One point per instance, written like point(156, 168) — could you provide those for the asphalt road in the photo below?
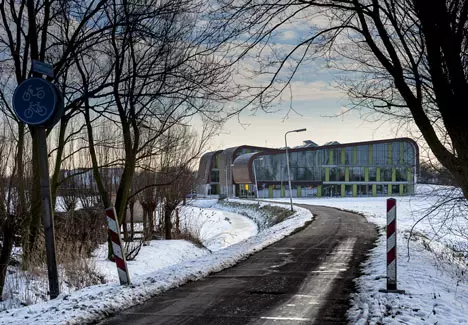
point(305, 278)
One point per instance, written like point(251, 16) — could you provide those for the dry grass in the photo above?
point(192, 235)
point(77, 234)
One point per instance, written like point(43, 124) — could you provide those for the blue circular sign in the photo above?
point(35, 101)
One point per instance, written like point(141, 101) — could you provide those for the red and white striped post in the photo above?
point(119, 254)
point(391, 246)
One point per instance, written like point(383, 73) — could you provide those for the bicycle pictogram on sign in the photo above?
point(35, 101)
point(35, 108)
point(29, 93)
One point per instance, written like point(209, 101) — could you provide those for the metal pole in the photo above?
point(289, 173)
point(48, 215)
point(231, 185)
point(287, 163)
point(256, 184)
point(226, 187)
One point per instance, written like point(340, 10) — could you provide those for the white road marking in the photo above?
point(305, 305)
point(287, 318)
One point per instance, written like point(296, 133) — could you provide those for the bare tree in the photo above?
point(9, 225)
point(175, 173)
point(51, 31)
point(407, 58)
point(164, 72)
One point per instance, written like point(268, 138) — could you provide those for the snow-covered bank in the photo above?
point(217, 230)
point(97, 302)
point(436, 282)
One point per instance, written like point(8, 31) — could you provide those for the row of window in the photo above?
point(337, 174)
point(382, 154)
point(335, 190)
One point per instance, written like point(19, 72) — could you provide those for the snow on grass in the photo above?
point(434, 276)
point(217, 229)
point(151, 258)
point(96, 302)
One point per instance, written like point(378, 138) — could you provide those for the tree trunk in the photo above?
point(177, 228)
point(132, 223)
point(32, 228)
point(8, 238)
point(151, 213)
point(97, 175)
point(58, 161)
point(124, 188)
point(167, 222)
point(145, 225)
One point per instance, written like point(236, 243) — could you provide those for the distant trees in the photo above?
point(407, 59)
point(434, 174)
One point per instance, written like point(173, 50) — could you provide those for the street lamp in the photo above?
point(227, 186)
point(287, 163)
point(255, 176)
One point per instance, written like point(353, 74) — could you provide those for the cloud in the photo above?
point(303, 91)
point(288, 35)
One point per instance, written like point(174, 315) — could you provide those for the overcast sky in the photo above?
point(316, 100)
point(268, 130)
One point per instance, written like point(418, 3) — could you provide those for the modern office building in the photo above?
point(373, 168)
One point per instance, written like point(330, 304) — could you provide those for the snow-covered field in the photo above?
point(435, 282)
point(433, 276)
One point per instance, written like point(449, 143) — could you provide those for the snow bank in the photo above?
point(97, 302)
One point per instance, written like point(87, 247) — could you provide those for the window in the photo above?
point(341, 174)
point(349, 155)
point(409, 153)
point(372, 174)
point(400, 174)
point(301, 174)
point(331, 190)
point(214, 176)
point(380, 154)
point(356, 174)
point(363, 155)
point(293, 159)
point(301, 159)
point(395, 153)
point(362, 190)
point(348, 190)
point(380, 189)
point(214, 189)
point(325, 157)
point(387, 173)
point(334, 175)
point(322, 173)
point(337, 156)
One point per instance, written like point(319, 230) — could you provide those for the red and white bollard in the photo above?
point(119, 254)
point(392, 247)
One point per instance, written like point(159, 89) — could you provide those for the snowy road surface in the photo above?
point(304, 278)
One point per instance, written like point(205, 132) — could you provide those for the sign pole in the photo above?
point(38, 103)
point(48, 215)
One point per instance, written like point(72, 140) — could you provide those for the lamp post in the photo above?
point(255, 176)
point(227, 185)
point(287, 163)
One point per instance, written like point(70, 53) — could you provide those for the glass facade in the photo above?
point(378, 168)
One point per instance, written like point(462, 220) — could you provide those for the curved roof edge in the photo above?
point(205, 166)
